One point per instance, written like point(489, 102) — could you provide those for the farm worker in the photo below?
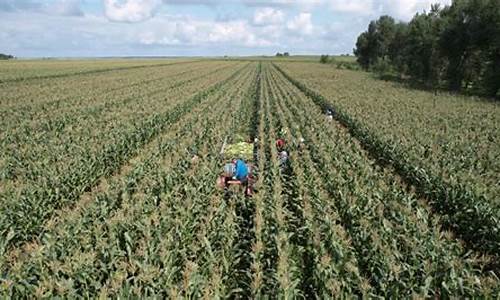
point(237, 170)
point(283, 157)
point(280, 144)
point(282, 154)
point(240, 170)
point(329, 114)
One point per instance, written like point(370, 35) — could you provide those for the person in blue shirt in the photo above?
point(237, 170)
point(240, 170)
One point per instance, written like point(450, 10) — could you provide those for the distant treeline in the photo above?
point(5, 56)
point(457, 47)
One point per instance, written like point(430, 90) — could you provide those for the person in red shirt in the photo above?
point(280, 144)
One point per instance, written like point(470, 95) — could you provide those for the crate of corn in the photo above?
point(239, 150)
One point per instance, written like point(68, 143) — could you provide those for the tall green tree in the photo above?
point(398, 48)
point(470, 44)
point(385, 32)
point(488, 40)
point(458, 45)
point(455, 42)
point(421, 52)
point(374, 44)
point(365, 47)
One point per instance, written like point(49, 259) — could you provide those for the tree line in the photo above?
point(5, 56)
point(456, 46)
point(279, 54)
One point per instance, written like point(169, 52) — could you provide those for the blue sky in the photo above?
point(76, 28)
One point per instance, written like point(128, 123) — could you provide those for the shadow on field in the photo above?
point(412, 84)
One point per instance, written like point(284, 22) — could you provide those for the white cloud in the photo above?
point(301, 24)
point(227, 32)
point(281, 3)
point(36, 28)
point(406, 9)
point(401, 9)
point(250, 3)
point(268, 16)
point(130, 10)
point(245, 2)
point(359, 7)
point(191, 32)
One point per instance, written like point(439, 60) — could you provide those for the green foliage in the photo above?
point(457, 45)
point(463, 211)
point(428, 144)
point(347, 65)
point(324, 59)
point(421, 52)
point(94, 156)
point(5, 56)
point(102, 197)
point(375, 44)
point(382, 68)
point(341, 62)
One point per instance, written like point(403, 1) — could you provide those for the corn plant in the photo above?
point(107, 188)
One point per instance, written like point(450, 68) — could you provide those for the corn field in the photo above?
point(108, 171)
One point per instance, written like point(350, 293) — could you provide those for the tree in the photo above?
point(454, 43)
point(470, 44)
point(492, 74)
point(362, 50)
point(486, 40)
point(286, 54)
point(324, 59)
point(5, 56)
point(421, 54)
point(279, 54)
point(385, 32)
point(398, 48)
point(458, 45)
point(374, 44)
